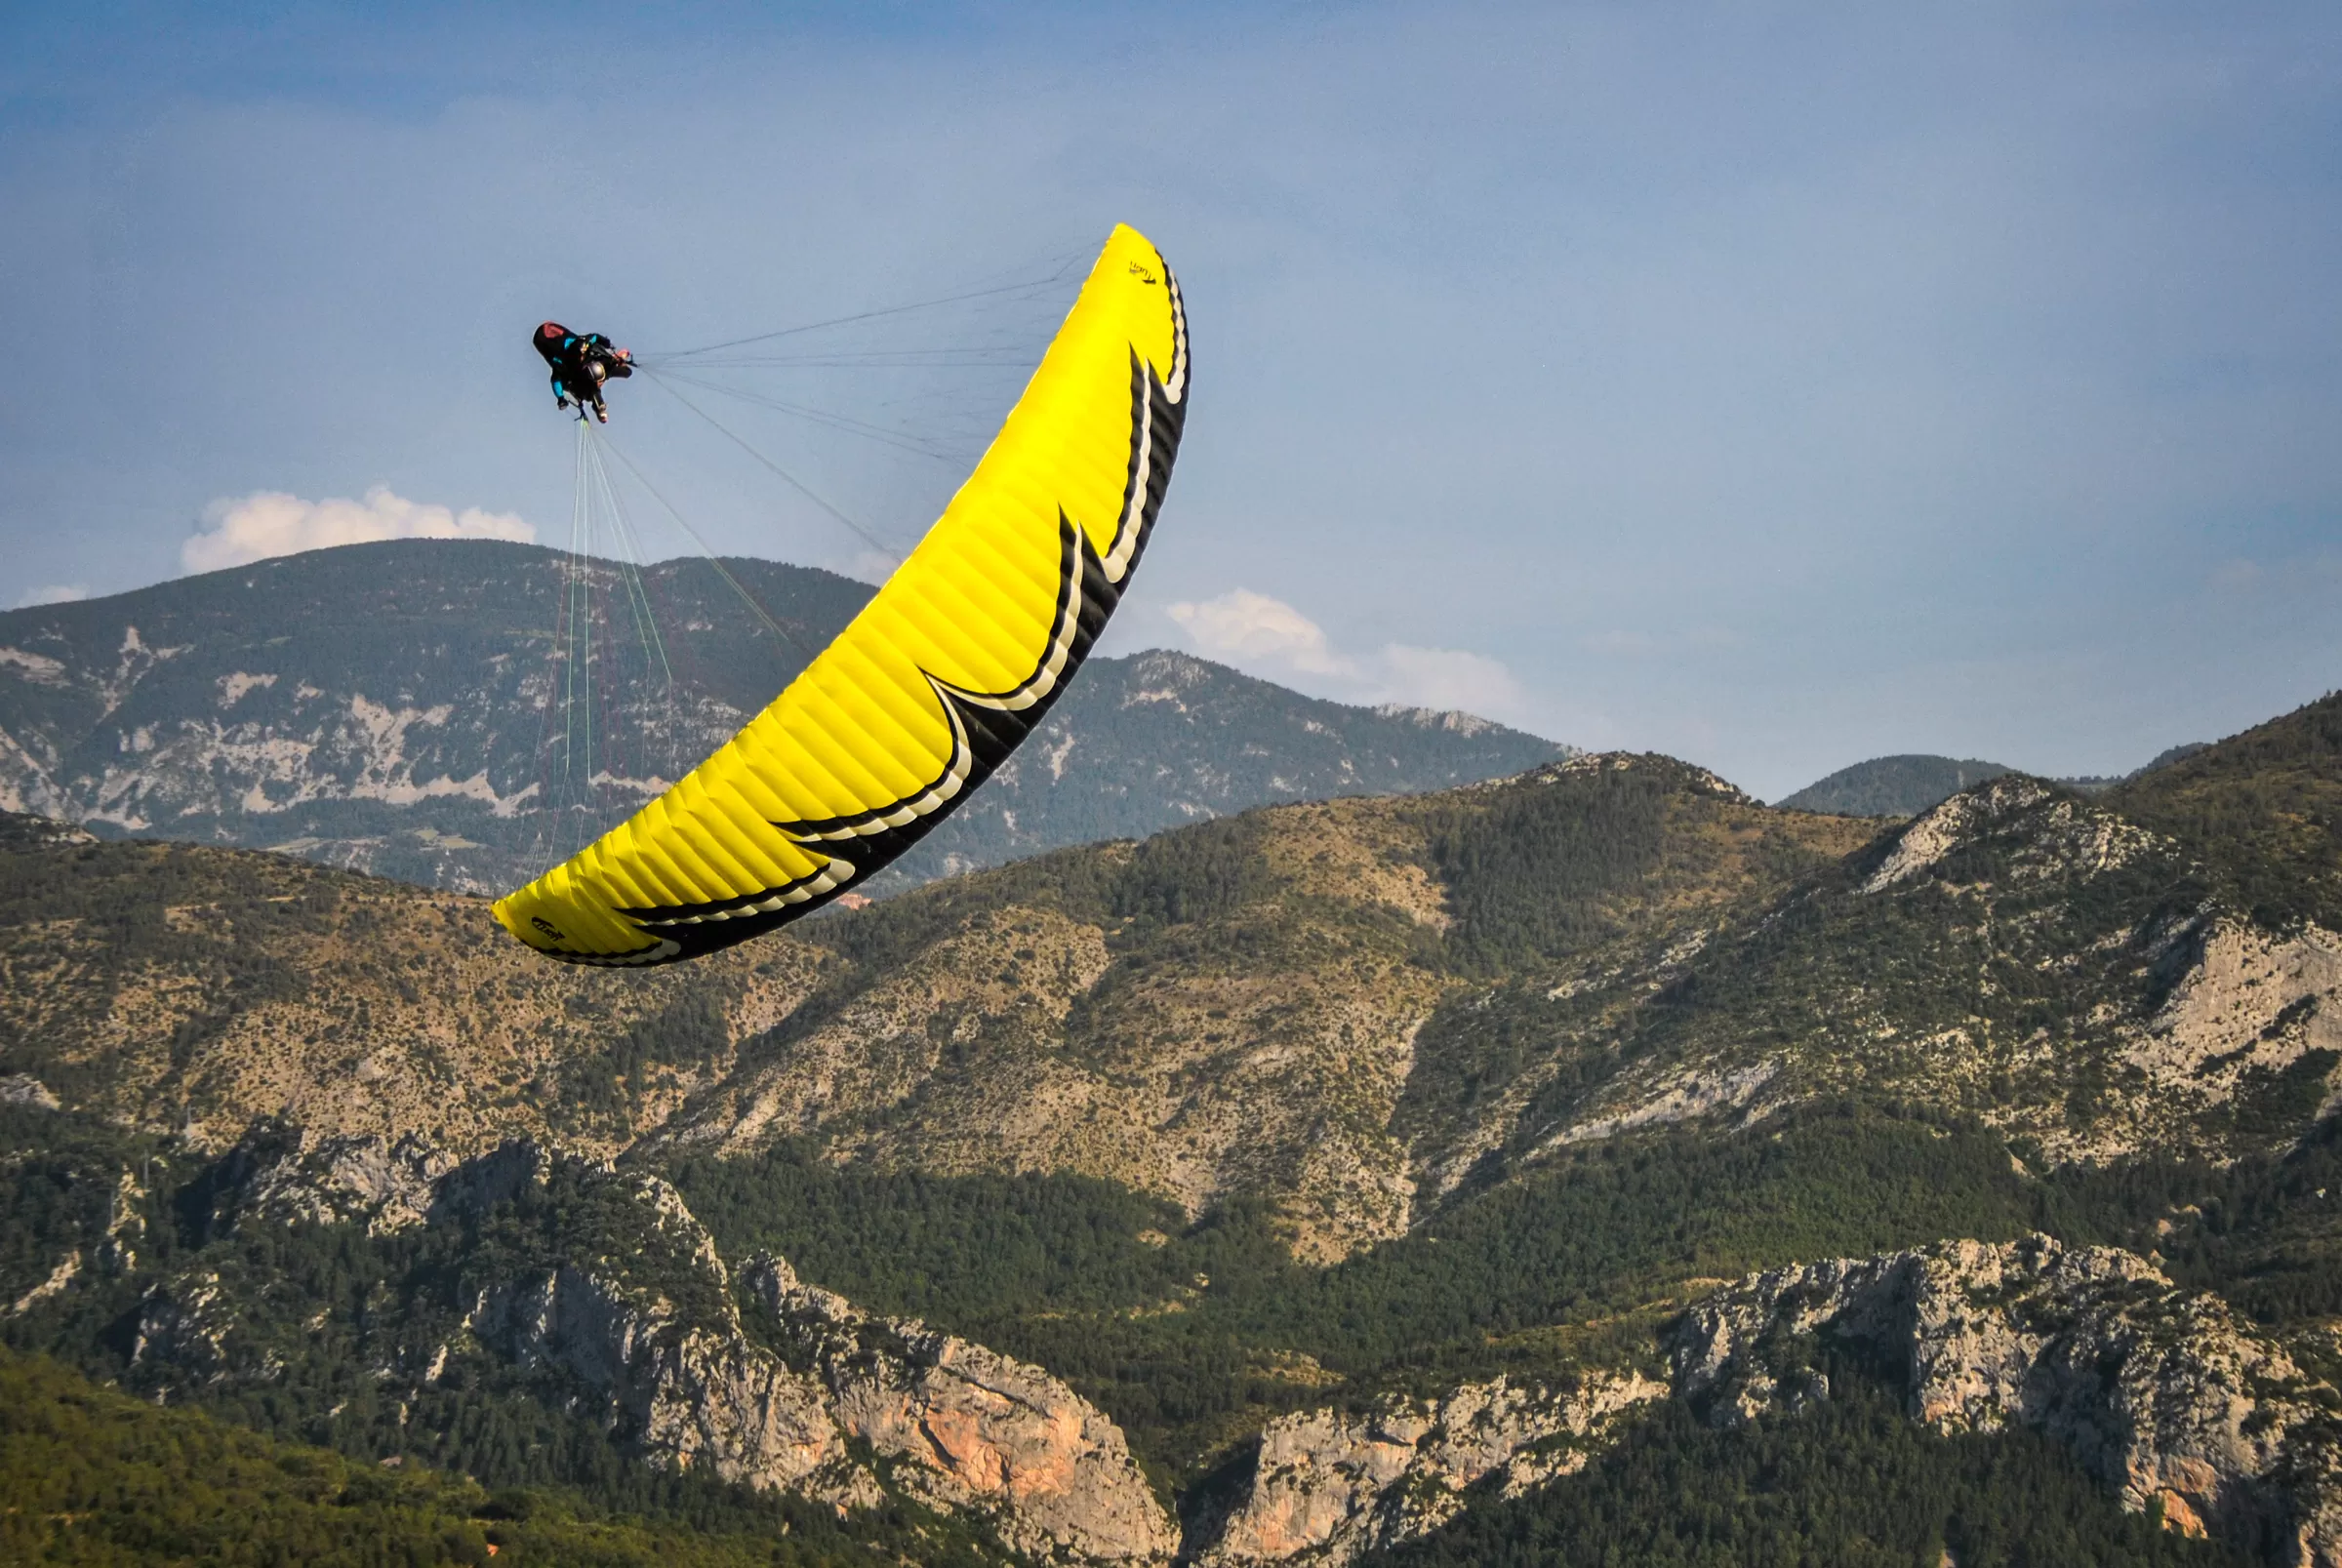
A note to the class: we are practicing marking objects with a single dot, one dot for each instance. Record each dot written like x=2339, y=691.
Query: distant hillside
x=1892, y=787
x=1906, y=786
x=404, y=708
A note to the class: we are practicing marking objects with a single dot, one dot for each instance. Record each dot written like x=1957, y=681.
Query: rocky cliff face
x=800, y=1392
x=1328, y=1486
x=2017, y=953
x=600, y=1294
x=2163, y=1394
x=282, y=1174
x=973, y=1429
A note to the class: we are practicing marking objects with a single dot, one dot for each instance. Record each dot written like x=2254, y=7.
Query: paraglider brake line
x=737, y=586
x=1063, y=268
x=893, y=556
x=813, y=416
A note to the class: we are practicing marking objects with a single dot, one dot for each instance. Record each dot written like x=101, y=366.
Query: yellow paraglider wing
x=946, y=668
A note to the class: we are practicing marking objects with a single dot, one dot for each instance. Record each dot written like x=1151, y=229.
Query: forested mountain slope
x=1892, y=787
x=1234, y=1008
x=1906, y=786
x=183, y=988
x=1241, y=1007
x=1452, y=1176
x=90, y=1475
x=414, y=708
x=2265, y=807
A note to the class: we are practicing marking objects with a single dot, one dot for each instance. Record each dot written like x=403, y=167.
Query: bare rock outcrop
x=2247, y=1004
x=284, y=1174
x=187, y=1322
x=690, y=1395
x=2064, y=835
x=976, y=1430
x=1329, y=1485
x=2161, y=1393
x=23, y=1089
x=783, y=1394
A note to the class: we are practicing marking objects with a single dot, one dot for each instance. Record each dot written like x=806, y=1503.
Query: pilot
x=581, y=362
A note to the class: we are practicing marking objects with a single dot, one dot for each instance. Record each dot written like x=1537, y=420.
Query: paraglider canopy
x=934, y=684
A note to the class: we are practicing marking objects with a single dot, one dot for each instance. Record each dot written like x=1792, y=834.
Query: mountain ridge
x=400, y=707
x=1276, y=1138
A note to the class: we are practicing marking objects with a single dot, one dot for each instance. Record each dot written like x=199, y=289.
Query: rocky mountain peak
x=1169, y=667
x=2037, y=828
x=1671, y=772
x=1453, y=720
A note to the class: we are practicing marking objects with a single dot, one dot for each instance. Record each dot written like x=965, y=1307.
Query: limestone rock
x=977, y=1431
x=187, y=1323
x=779, y=1399
x=2162, y=1394
x=1328, y=1486
x=690, y=1395
x=283, y=1174
x=23, y=1089
x=67, y=1270
x=2066, y=836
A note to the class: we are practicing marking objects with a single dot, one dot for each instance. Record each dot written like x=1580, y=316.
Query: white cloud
x=1244, y=625
x=54, y=593
x=1274, y=639
x=1450, y=677
x=255, y=527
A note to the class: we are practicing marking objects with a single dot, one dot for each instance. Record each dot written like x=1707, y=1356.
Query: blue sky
x=1775, y=386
